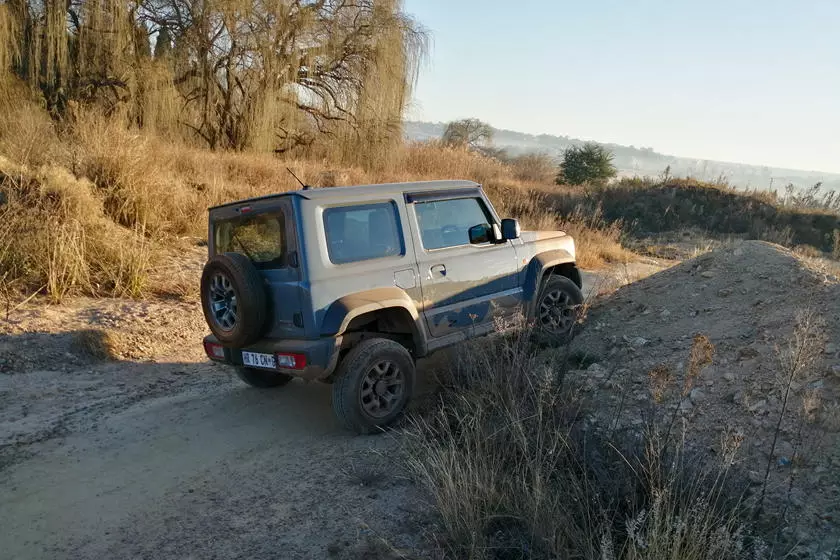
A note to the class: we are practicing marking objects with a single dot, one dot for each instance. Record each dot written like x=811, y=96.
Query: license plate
x=253, y=359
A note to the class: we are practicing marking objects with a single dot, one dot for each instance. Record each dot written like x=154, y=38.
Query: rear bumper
x=321, y=354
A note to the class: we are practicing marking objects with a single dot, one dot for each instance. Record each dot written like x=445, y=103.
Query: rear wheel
x=263, y=379
x=373, y=385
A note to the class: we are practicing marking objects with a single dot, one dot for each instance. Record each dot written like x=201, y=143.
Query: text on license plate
x=255, y=359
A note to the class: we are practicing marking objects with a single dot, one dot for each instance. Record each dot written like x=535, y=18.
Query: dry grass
x=536, y=168
x=91, y=207
x=517, y=471
x=99, y=344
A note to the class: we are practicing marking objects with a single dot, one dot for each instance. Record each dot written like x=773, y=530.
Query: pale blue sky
x=753, y=81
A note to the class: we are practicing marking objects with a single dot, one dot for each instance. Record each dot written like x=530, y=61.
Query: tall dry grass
x=516, y=469
x=89, y=206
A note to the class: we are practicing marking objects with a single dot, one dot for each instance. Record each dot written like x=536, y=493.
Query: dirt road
x=157, y=456
x=213, y=470
x=150, y=456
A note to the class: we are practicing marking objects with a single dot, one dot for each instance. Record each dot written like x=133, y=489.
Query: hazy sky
x=754, y=81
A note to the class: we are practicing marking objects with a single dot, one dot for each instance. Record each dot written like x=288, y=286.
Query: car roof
x=338, y=193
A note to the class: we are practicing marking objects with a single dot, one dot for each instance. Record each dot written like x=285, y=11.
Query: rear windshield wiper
x=242, y=246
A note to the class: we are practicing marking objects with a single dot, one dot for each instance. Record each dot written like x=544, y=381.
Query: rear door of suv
x=264, y=231
x=465, y=287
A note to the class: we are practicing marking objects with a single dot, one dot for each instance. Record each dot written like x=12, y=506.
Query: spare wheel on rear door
x=234, y=299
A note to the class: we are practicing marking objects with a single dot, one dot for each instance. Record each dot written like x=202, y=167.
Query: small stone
x=696, y=395
x=835, y=370
x=728, y=376
x=783, y=449
x=816, y=384
x=665, y=314
x=757, y=406
x=686, y=405
x=707, y=274
x=596, y=370
x=636, y=341
x=726, y=292
x=756, y=478
x=830, y=348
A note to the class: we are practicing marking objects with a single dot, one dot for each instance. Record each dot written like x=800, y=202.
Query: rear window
x=261, y=237
x=362, y=232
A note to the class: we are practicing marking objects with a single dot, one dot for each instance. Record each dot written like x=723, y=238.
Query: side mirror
x=482, y=233
x=510, y=229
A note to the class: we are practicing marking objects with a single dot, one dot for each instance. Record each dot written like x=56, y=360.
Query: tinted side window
x=445, y=223
x=358, y=233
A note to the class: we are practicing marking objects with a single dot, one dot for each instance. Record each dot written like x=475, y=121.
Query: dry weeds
x=96, y=207
x=516, y=470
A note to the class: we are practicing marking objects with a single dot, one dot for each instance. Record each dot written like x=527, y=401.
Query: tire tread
x=344, y=386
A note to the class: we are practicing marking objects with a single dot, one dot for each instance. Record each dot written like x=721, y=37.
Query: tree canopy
x=589, y=163
x=231, y=74
x=470, y=133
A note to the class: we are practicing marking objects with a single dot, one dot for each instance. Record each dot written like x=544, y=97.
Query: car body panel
x=466, y=285
x=314, y=300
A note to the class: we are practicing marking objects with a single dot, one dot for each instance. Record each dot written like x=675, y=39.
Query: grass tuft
x=517, y=468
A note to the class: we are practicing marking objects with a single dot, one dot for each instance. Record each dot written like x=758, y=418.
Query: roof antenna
x=302, y=184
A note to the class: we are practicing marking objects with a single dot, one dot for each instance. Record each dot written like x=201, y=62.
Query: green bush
x=590, y=163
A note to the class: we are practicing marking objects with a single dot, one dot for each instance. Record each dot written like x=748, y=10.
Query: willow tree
x=265, y=74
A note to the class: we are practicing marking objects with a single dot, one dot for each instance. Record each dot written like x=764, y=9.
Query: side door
x=465, y=287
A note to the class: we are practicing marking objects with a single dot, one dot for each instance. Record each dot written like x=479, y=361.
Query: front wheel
x=557, y=308
x=373, y=385
x=263, y=379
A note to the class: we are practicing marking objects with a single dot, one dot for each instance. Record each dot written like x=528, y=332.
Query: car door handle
x=437, y=270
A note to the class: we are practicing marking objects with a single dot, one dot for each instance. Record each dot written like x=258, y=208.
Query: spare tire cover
x=234, y=299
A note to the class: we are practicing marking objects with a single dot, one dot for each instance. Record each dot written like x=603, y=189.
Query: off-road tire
x=569, y=290
x=251, y=298
x=263, y=379
x=351, y=375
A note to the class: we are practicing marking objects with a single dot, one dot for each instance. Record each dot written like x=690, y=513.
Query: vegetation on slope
x=648, y=206
x=88, y=205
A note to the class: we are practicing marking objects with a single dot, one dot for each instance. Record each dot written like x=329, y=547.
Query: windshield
x=260, y=237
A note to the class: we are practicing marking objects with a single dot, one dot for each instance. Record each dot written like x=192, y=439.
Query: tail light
x=287, y=360
x=214, y=350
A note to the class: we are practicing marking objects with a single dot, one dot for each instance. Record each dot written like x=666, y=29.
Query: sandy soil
x=157, y=453
x=119, y=439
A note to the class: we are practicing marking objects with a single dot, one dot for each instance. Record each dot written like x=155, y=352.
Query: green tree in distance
x=589, y=163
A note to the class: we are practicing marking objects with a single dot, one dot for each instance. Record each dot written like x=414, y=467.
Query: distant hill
x=631, y=160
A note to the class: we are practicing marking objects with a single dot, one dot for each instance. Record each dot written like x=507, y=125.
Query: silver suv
x=350, y=285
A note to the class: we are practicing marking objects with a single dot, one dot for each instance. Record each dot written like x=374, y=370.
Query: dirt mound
x=748, y=300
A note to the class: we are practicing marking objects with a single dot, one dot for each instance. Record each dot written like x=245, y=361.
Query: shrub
x=534, y=168
x=589, y=163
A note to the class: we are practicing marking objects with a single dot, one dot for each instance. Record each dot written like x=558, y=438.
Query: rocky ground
x=118, y=438
x=747, y=299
